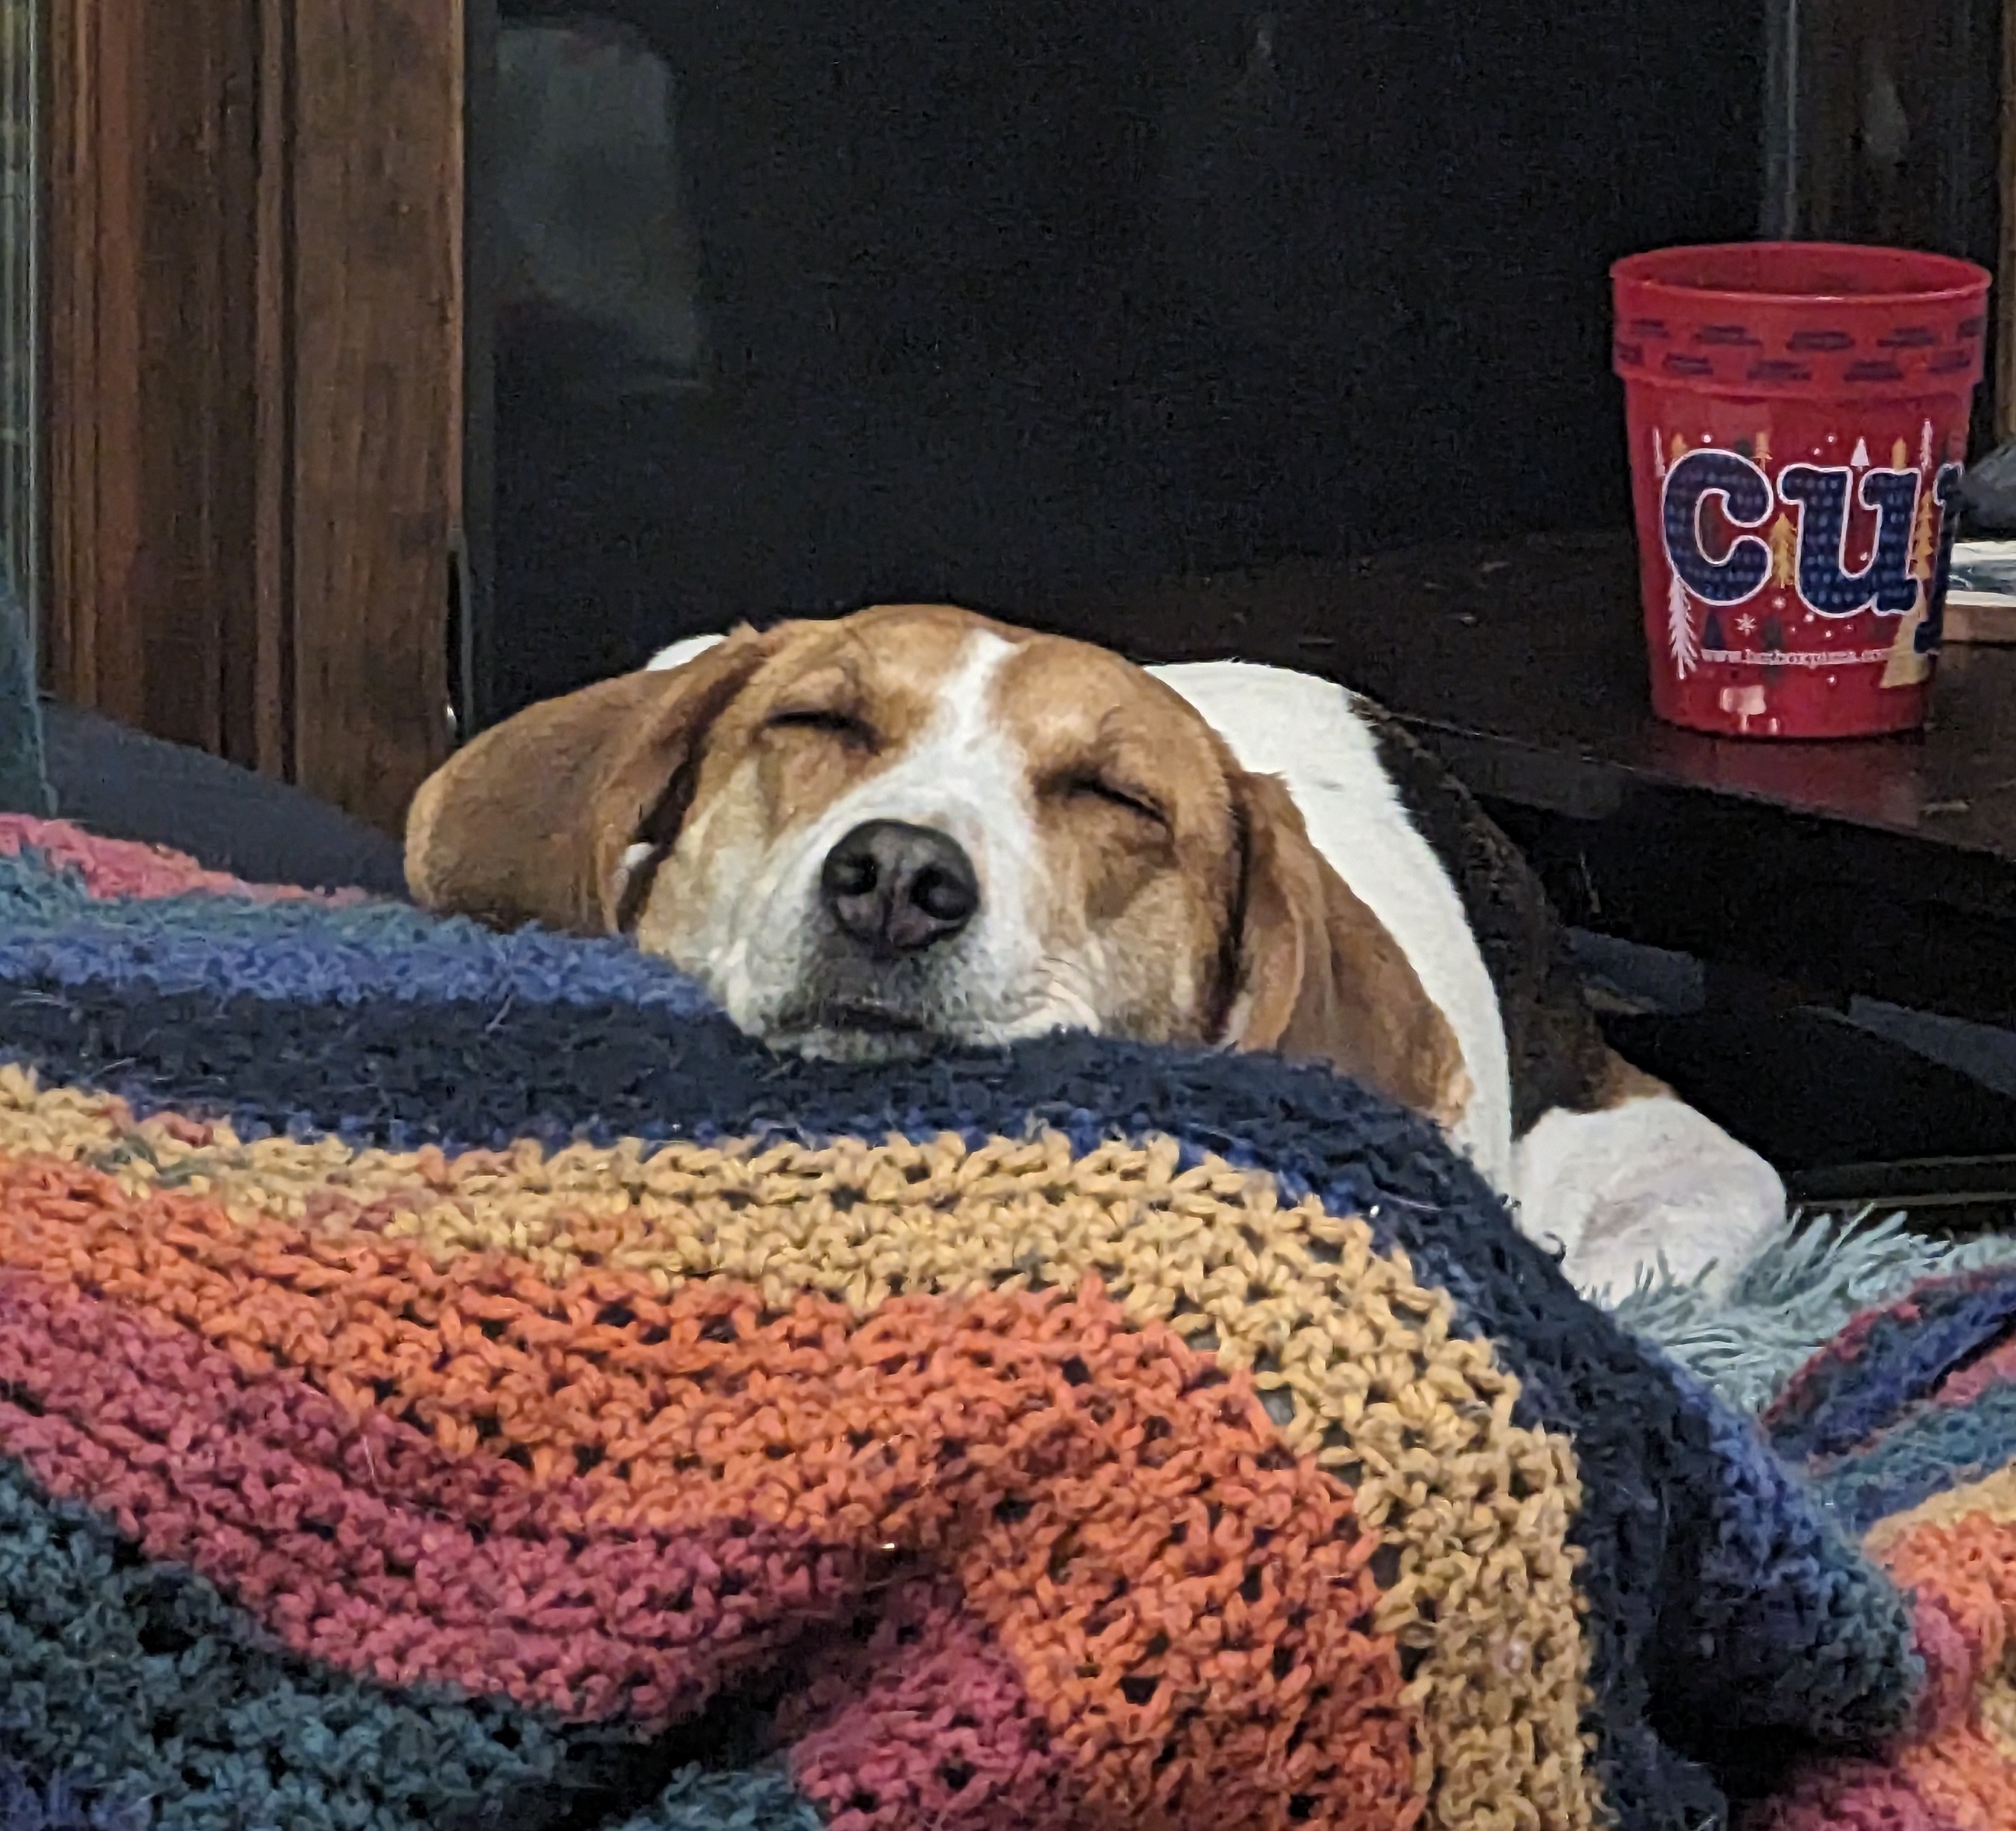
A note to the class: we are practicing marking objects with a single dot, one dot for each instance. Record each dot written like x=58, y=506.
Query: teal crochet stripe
x=1937, y=1448
x=757, y=1799
x=140, y=1680
x=61, y=1804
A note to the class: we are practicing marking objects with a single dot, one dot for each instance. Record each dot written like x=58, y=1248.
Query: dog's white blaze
x=680, y=653
x=965, y=776
x=1307, y=732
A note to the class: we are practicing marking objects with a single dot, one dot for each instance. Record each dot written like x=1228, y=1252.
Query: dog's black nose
x=899, y=887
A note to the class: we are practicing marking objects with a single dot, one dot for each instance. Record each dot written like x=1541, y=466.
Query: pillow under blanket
x=456, y=1380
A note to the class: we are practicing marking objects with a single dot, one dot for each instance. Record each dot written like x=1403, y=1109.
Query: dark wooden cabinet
x=1009, y=302
x=1883, y=122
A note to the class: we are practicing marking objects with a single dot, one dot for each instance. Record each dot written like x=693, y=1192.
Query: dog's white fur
x=1617, y=1189
x=1626, y=1187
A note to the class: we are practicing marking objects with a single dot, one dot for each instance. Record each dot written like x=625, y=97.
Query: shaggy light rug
x=1795, y=1297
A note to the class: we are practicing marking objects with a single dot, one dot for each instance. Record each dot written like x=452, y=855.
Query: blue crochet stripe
x=1936, y=1449
x=1795, y=1628
x=470, y=1075
x=1903, y=1355
x=60, y=1803
x=52, y=929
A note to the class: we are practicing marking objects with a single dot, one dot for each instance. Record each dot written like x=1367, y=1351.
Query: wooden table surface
x=1885, y=866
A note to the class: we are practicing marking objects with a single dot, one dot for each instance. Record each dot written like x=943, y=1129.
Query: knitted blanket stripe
x=122, y=868
x=1907, y=1398
x=1954, y=1551
x=940, y=1427
x=542, y=1076
x=479, y=1409
x=1887, y=1359
x=121, y=922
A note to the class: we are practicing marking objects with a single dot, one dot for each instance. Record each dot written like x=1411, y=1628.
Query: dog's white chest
x=1306, y=731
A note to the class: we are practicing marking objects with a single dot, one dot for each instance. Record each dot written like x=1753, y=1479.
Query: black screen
x=800, y=306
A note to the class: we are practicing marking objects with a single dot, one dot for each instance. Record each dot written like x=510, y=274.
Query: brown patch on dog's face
x=531, y=821
x=836, y=703
x=1133, y=809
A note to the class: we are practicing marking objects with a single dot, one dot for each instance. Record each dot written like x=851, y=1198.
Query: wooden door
x=254, y=344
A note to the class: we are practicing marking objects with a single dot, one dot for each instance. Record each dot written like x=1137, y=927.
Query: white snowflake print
x=1747, y=623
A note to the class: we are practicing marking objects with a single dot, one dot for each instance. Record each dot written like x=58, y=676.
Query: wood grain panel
x=254, y=378
x=92, y=652
x=154, y=147
x=377, y=214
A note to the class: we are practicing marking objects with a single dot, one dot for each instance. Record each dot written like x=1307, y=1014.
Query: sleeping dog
x=914, y=826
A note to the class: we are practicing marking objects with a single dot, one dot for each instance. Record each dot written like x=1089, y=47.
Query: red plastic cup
x=1798, y=415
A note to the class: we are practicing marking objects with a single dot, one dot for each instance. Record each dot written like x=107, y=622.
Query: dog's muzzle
x=884, y=975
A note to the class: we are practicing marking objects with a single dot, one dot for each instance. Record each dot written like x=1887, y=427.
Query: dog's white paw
x=1650, y=1180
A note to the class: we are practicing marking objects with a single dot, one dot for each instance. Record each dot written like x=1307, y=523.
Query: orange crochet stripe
x=1100, y=1492
x=1963, y=1568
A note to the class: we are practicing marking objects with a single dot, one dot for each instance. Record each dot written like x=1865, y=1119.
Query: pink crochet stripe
x=1847, y=1796
x=1845, y=1347
x=125, y=868
x=926, y=1723
x=359, y=1541
x=1996, y=1367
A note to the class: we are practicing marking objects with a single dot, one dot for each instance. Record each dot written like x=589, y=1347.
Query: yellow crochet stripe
x=1998, y=1715
x=1358, y=1362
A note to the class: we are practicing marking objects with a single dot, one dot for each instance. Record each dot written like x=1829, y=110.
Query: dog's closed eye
x=1088, y=786
x=828, y=721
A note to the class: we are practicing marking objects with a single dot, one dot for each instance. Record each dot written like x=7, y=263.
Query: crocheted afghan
x=455, y=1380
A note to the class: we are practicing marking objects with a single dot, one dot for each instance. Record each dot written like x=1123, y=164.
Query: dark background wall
x=1010, y=301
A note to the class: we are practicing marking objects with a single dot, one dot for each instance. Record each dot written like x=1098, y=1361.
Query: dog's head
x=914, y=825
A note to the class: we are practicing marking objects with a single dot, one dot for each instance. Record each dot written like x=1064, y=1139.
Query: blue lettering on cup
x=1746, y=495
x=1820, y=494
x=1946, y=492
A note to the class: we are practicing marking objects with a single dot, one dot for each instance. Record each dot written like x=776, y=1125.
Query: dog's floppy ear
x=531, y=821
x=1315, y=975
